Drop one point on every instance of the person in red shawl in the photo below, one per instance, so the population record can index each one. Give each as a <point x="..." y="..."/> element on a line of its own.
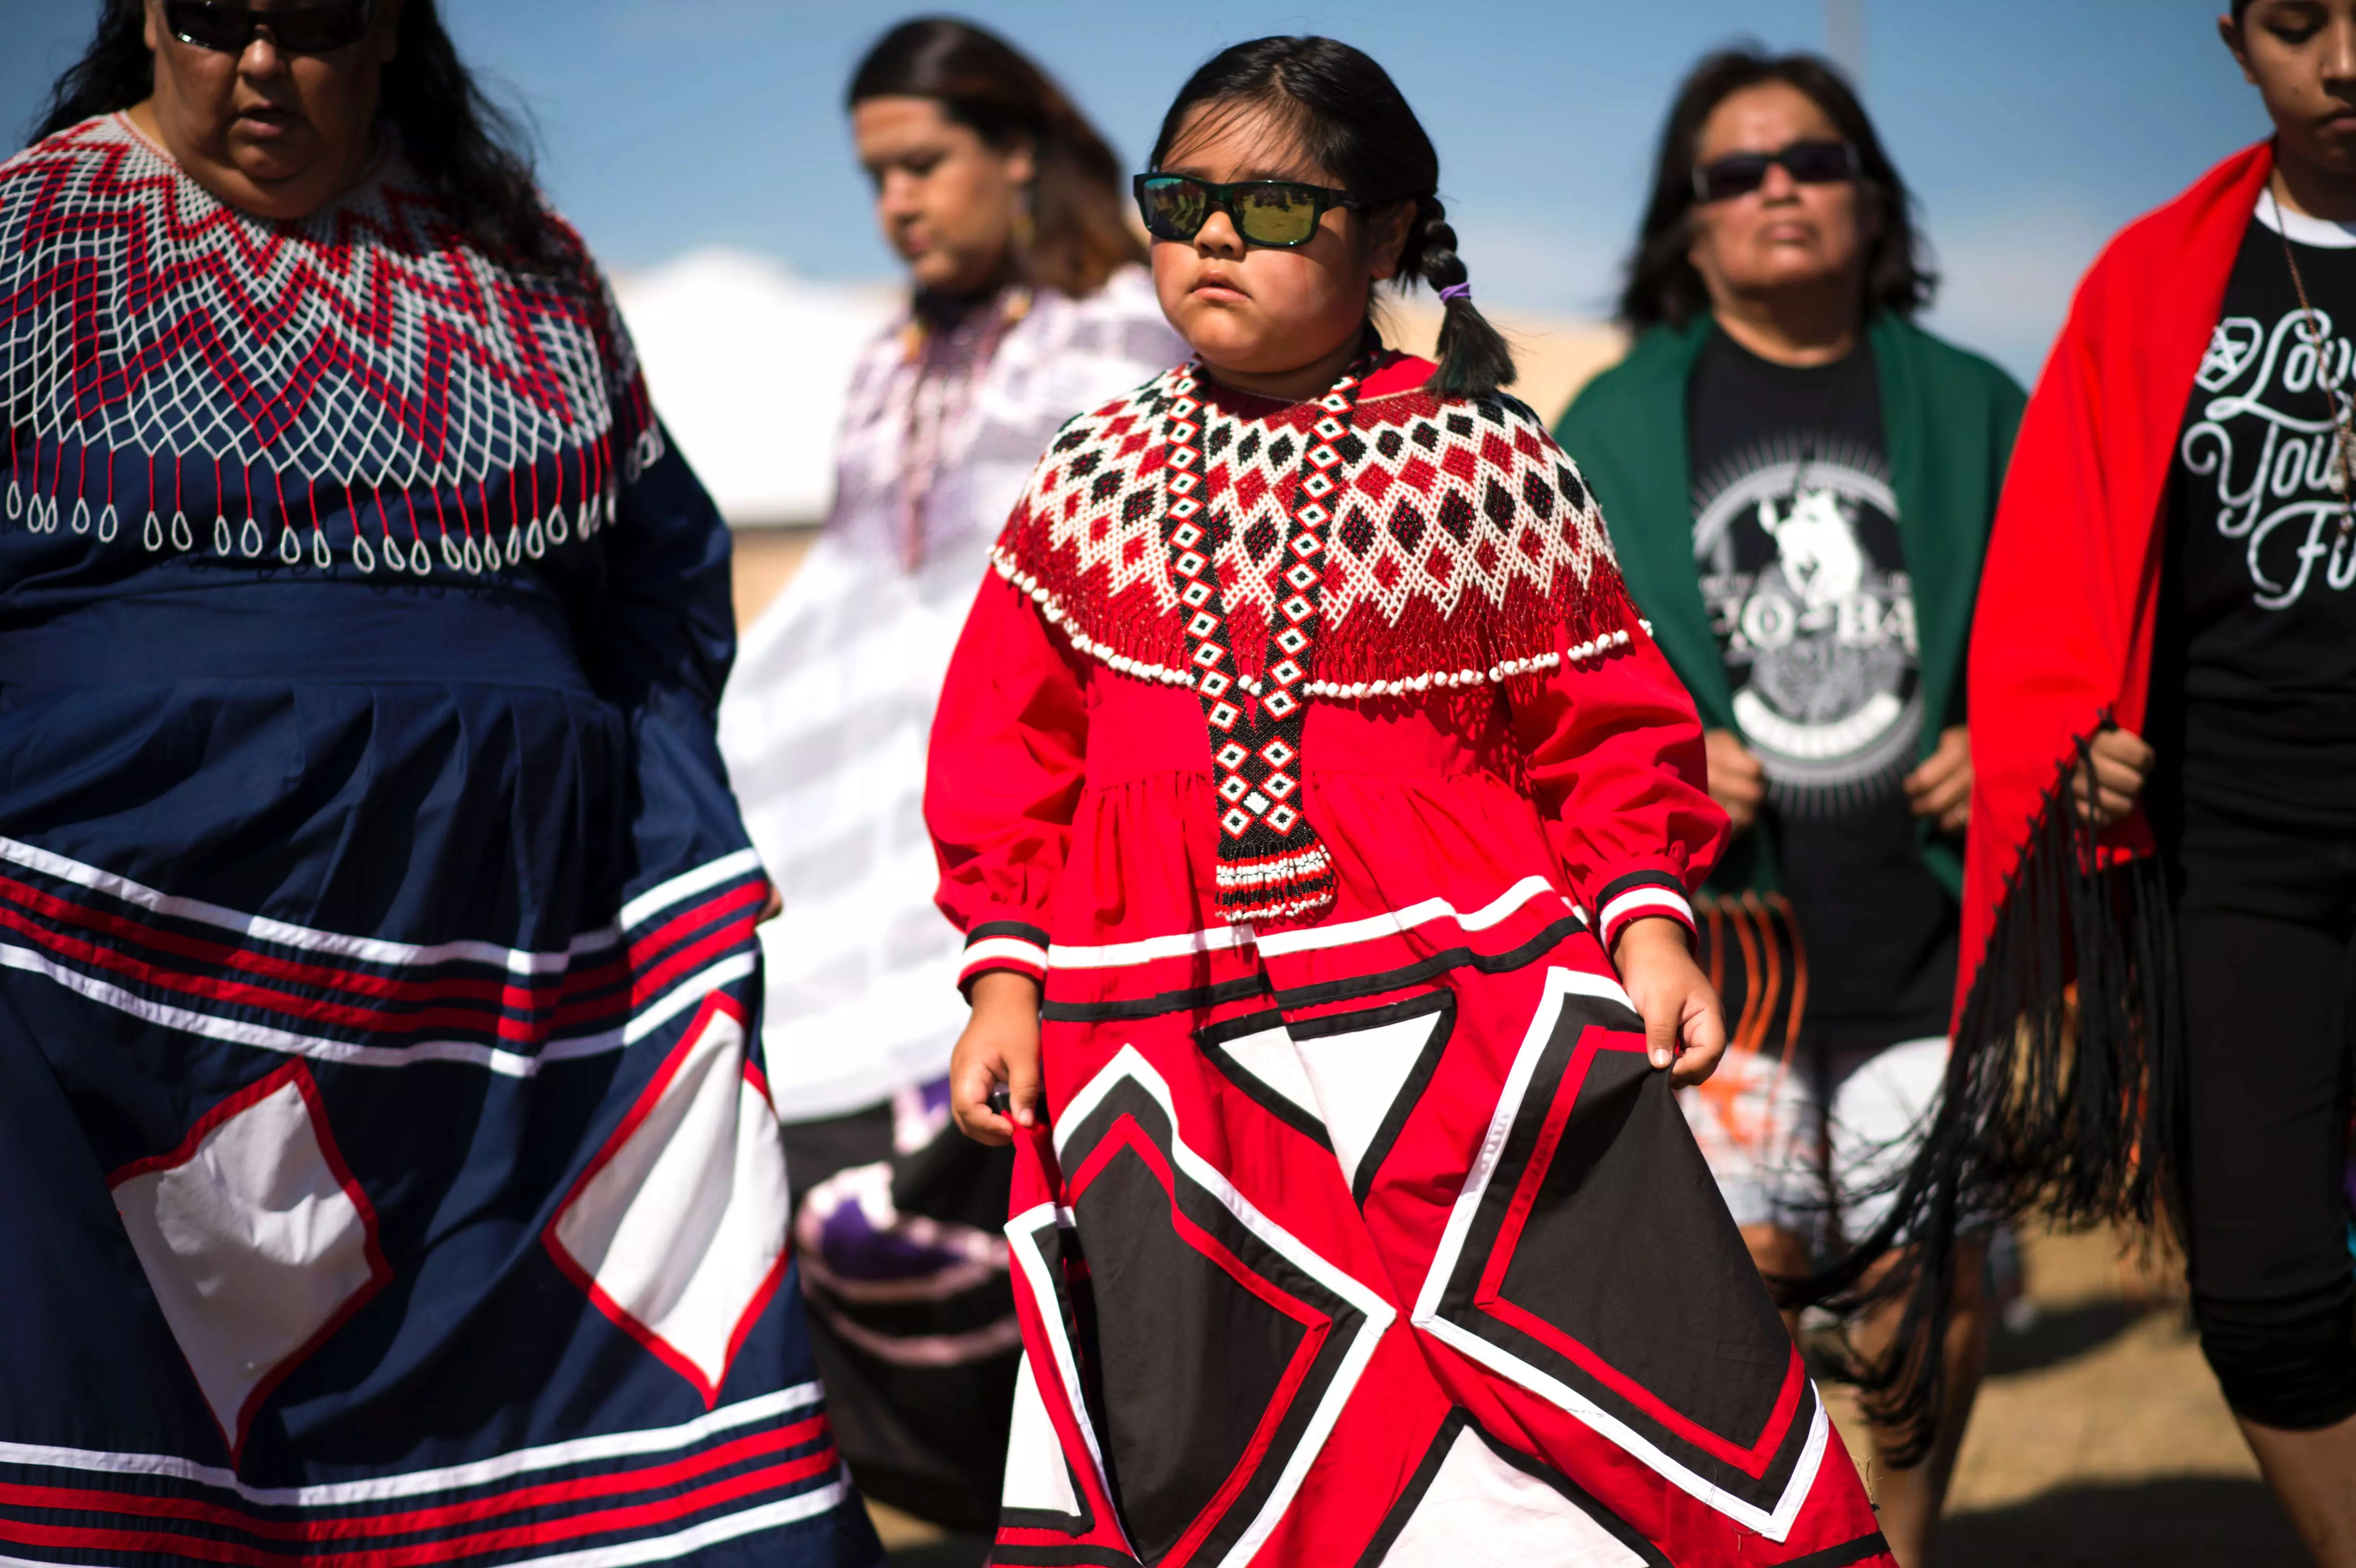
<point x="2159" y="925"/>
<point x="1305" y="749"/>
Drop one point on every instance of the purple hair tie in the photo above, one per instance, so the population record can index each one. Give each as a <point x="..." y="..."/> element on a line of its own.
<point x="1456" y="292"/>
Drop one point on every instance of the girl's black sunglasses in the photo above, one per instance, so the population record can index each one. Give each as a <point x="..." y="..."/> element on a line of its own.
<point x="297" y="30"/>
<point x="1810" y="163"/>
<point x="1282" y="213"/>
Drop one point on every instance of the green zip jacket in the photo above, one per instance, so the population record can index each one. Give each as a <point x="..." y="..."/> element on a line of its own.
<point x="1948" y="419"/>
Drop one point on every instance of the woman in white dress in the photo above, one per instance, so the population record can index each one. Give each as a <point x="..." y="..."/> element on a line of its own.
<point x="1027" y="306"/>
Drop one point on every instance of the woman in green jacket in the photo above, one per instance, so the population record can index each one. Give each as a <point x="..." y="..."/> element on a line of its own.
<point x="1800" y="483"/>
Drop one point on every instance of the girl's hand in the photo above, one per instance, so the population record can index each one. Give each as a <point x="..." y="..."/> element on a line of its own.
<point x="2122" y="762"/>
<point x="1737" y="781"/>
<point x="1001" y="1045"/>
<point x="1685" y="1024"/>
<point x="1940" y="788"/>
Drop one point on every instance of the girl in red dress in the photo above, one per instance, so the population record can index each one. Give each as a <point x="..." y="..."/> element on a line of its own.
<point x="1321" y="817"/>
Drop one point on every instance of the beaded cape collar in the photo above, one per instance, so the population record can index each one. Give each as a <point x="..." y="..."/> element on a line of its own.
<point x="359" y="386"/>
<point x="1378" y="540"/>
<point x="1464" y="546"/>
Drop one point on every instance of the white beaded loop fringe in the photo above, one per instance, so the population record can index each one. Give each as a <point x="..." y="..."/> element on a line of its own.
<point x="1052" y="614"/>
<point x="42" y="514"/>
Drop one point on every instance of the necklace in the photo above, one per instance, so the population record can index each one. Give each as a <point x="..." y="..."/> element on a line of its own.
<point x="949" y="361"/>
<point x="1272" y="865"/>
<point x="2344" y="426"/>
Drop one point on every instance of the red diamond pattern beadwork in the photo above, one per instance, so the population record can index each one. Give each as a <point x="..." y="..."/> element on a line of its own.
<point x="1451" y="535"/>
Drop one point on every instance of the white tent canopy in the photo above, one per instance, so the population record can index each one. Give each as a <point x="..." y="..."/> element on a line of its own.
<point x="748" y="364"/>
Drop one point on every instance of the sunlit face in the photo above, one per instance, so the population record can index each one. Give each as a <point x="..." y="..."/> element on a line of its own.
<point x="1257" y="310"/>
<point x="946" y="199"/>
<point x="2301" y="56"/>
<point x="1785" y="235"/>
<point x="273" y="133"/>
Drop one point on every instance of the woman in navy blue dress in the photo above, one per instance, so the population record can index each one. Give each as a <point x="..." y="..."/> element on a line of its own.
<point x="389" y="1166"/>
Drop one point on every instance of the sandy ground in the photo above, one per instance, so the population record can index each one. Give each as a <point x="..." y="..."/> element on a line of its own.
<point x="2099" y="1439"/>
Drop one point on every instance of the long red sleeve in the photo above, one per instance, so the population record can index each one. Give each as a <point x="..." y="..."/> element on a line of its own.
<point x="1615" y="756"/>
<point x="1010" y="740"/>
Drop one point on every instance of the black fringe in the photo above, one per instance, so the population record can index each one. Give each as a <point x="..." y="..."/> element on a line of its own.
<point x="2060" y="1099"/>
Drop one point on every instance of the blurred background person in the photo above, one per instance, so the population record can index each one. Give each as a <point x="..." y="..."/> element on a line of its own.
<point x="378" y="1105"/>
<point x="1800" y="483"/>
<point x="1028" y="306"/>
<point x="2160" y="919"/>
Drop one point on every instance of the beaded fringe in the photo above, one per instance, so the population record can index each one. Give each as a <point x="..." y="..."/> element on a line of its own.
<point x="1296" y="886"/>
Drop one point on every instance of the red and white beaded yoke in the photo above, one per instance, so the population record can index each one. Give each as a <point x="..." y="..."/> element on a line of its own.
<point x="1464" y="546"/>
<point x="361" y="387"/>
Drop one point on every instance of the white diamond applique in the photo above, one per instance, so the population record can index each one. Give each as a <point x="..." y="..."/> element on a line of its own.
<point x="1480" y="1511"/>
<point x="1038" y="1480"/>
<point x="677" y="1230"/>
<point x="1270" y="1057"/>
<point x="256" y="1240"/>
<point x="1359" y="1074"/>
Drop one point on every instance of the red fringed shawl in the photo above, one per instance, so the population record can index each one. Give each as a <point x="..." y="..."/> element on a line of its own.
<point x="2070" y="591"/>
<point x="2058" y="1098"/>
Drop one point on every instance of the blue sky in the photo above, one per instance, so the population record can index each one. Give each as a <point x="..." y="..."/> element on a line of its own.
<point x="2030" y="128"/>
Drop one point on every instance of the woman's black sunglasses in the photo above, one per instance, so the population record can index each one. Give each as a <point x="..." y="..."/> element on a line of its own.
<point x="1810" y="163"/>
<point x="1282" y="213"/>
<point x="297" y="30"/>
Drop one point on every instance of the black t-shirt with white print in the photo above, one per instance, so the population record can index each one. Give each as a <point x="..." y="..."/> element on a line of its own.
<point x="1795" y="540"/>
<point x="2254" y="689"/>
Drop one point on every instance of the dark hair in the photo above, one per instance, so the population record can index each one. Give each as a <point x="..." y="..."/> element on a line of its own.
<point x="1663" y="285"/>
<point x="2241" y="9"/>
<point x="1079" y="231"/>
<point x="473" y="156"/>
<point x="1348" y="117"/>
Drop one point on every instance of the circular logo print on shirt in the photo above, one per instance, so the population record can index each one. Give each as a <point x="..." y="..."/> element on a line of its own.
<point x="1809" y="598"/>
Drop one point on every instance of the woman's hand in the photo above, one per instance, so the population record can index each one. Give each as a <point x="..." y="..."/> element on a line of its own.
<point x="1000" y="1045"/>
<point x="1737" y="781"/>
<point x="1685" y="1024"/>
<point x="2122" y="762"/>
<point x="1941" y="789"/>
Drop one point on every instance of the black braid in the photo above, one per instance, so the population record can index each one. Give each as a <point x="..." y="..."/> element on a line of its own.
<point x="1474" y="359"/>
